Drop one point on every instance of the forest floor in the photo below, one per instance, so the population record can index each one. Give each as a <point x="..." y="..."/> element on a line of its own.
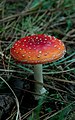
<point x="27" y="17"/>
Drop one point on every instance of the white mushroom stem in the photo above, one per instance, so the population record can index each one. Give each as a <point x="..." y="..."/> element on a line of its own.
<point x="38" y="76"/>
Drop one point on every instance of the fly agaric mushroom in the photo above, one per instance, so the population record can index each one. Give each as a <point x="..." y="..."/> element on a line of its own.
<point x="36" y="50"/>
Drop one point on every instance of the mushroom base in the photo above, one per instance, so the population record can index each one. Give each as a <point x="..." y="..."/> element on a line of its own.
<point x="40" y="94"/>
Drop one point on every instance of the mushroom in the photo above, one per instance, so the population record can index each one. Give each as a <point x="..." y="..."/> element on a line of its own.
<point x="37" y="50"/>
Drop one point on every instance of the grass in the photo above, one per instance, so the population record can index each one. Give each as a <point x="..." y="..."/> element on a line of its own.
<point x="55" y="18"/>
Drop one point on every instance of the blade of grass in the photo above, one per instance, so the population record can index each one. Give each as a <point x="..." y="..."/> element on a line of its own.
<point x="60" y="111"/>
<point x="18" y="117"/>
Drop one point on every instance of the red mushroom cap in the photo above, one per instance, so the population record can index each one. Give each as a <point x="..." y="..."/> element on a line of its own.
<point x="38" y="49"/>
